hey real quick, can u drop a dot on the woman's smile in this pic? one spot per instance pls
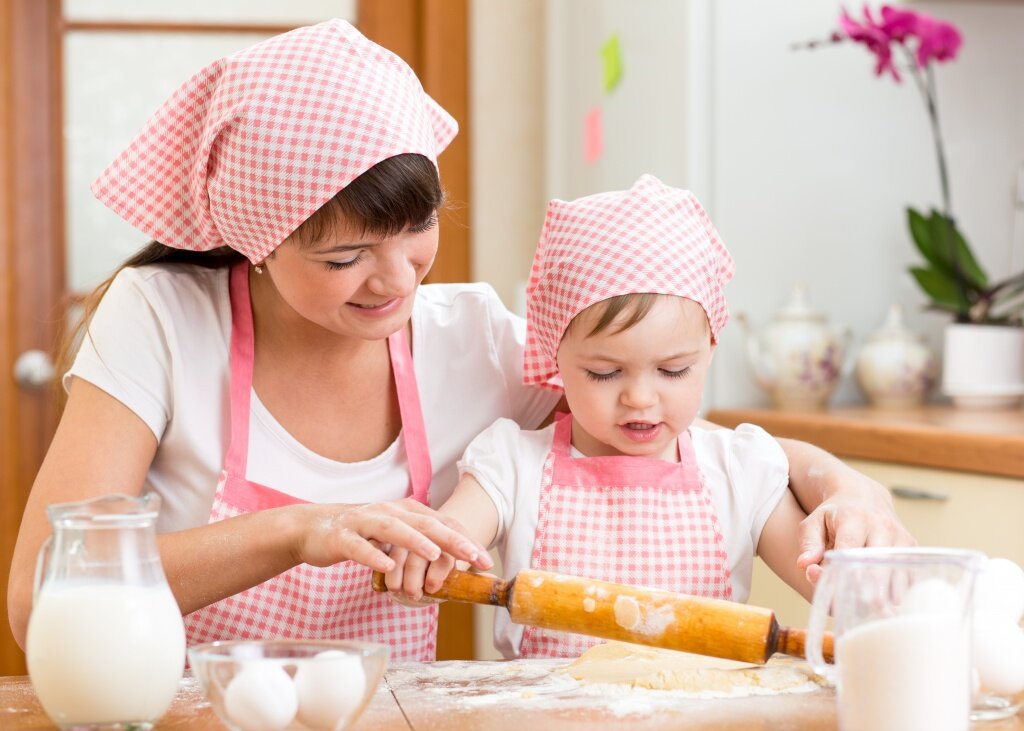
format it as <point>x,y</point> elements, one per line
<point>377,310</point>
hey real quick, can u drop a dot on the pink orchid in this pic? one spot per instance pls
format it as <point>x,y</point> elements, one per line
<point>897,23</point>
<point>874,37</point>
<point>937,40</point>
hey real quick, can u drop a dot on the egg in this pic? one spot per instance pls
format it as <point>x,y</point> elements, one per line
<point>330,688</point>
<point>998,654</point>
<point>999,589</point>
<point>261,697</point>
<point>931,596</point>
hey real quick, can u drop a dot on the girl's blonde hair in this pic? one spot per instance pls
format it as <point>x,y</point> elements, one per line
<point>632,307</point>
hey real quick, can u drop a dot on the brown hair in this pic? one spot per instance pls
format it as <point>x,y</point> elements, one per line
<point>635,306</point>
<point>394,194</point>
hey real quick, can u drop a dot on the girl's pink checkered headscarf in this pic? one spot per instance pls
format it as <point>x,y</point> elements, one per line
<point>253,144</point>
<point>648,239</point>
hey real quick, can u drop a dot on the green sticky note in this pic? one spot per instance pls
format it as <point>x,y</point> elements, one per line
<point>611,56</point>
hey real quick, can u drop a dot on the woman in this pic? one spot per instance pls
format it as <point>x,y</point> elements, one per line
<point>254,368</point>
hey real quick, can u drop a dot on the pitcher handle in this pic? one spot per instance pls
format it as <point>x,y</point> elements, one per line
<point>823,594</point>
<point>44,553</point>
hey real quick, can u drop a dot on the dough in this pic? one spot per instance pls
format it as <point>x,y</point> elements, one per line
<point>648,667</point>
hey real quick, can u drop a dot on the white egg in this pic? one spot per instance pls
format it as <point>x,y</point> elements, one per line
<point>999,589</point>
<point>931,596</point>
<point>331,687</point>
<point>998,653</point>
<point>261,697</point>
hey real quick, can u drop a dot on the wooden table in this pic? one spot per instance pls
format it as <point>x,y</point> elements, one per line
<point>497,696</point>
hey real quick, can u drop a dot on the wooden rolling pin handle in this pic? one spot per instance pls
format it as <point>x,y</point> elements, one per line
<point>465,586</point>
<point>792,641</point>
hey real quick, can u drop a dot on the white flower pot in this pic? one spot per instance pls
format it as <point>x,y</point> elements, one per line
<point>983,366</point>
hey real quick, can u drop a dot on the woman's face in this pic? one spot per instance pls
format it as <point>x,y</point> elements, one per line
<point>355,285</point>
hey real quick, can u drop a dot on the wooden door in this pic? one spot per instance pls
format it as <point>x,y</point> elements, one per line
<point>33,292</point>
<point>432,37</point>
<point>31,260</point>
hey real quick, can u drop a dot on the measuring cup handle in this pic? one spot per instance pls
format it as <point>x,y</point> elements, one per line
<point>823,594</point>
<point>41,560</point>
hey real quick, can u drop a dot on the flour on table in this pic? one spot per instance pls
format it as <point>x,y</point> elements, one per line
<point>622,664</point>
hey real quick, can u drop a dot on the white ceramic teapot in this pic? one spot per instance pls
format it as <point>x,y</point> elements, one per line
<point>798,358</point>
<point>895,368</point>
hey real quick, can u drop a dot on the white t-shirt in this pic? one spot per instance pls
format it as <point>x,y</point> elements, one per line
<point>159,344</point>
<point>745,470</point>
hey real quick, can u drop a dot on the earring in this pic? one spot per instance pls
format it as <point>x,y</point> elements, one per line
<point>258,268</point>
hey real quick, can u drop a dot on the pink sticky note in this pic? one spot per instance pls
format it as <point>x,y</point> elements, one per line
<point>593,135</point>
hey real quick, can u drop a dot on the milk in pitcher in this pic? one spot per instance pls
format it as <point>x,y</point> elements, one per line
<point>105,653</point>
<point>900,673</point>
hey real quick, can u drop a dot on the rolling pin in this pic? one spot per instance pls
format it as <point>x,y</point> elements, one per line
<point>630,613</point>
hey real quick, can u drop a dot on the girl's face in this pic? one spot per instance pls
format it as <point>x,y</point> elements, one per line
<point>633,392</point>
<point>355,285</point>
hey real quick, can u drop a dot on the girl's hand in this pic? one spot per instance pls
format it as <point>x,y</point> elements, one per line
<point>413,576</point>
<point>329,534</point>
<point>856,512</point>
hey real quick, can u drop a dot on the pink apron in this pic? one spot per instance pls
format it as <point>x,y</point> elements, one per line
<point>309,602</point>
<point>630,520</point>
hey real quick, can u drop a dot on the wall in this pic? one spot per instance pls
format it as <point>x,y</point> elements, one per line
<point>507,71</point>
<point>645,117</point>
<point>814,160</point>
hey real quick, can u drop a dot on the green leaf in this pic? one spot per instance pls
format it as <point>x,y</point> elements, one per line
<point>921,231</point>
<point>973,274</point>
<point>940,287</point>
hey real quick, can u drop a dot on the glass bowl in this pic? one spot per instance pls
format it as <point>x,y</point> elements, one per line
<point>299,685</point>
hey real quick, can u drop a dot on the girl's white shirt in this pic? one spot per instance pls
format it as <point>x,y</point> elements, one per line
<point>159,343</point>
<point>745,471</point>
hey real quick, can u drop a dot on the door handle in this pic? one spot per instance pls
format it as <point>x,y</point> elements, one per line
<point>915,493</point>
<point>33,370</point>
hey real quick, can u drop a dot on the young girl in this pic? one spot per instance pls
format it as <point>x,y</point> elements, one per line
<point>625,306</point>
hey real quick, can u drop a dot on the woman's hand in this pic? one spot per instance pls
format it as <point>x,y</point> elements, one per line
<point>854,511</point>
<point>414,573</point>
<point>329,534</point>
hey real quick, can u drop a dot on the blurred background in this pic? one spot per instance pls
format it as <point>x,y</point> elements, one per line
<point>804,159</point>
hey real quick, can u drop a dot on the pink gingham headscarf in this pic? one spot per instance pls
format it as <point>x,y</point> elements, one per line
<point>648,239</point>
<point>256,142</point>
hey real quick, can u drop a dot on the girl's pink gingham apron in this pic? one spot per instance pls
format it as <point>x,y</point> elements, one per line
<point>309,602</point>
<point>631,520</point>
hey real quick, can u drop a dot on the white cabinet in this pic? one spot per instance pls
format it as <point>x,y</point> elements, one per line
<point>940,508</point>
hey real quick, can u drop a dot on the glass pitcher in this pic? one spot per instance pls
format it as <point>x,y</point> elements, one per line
<point>902,626</point>
<point>106,642</point>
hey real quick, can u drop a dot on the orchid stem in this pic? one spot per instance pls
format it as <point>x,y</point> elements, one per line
<point>926,85</point>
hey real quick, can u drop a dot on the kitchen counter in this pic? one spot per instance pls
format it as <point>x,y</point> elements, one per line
<point>942,437</point>
<point>503,695</point>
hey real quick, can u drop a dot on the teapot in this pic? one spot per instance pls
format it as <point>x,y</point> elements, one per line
<point>895,368</point>
<point>798,358</point>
